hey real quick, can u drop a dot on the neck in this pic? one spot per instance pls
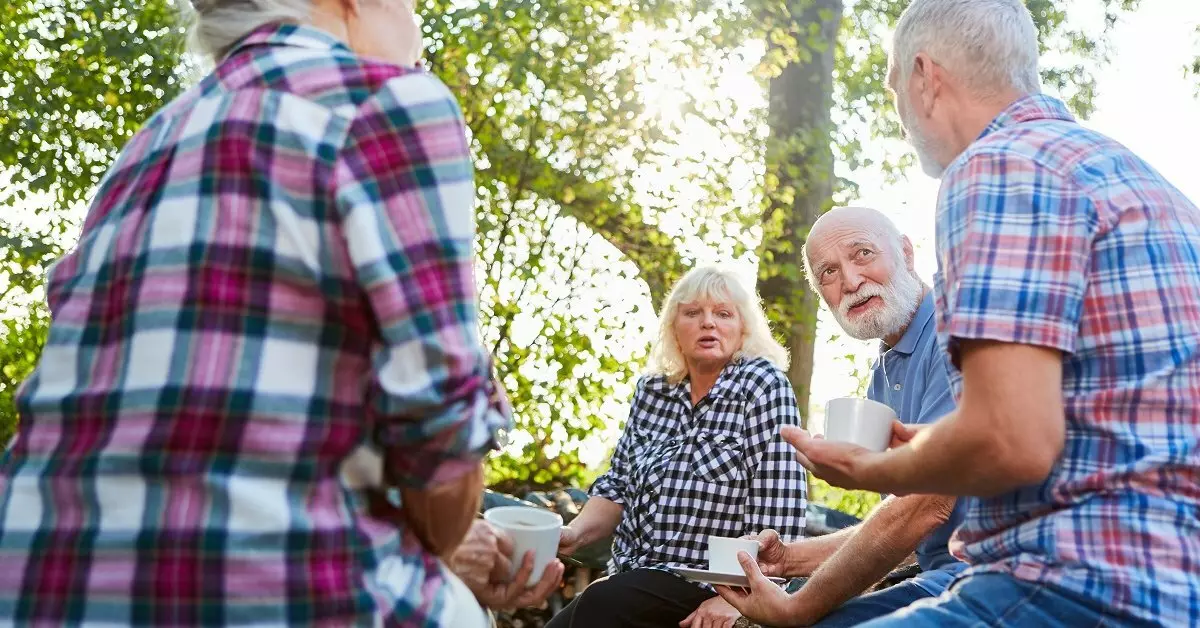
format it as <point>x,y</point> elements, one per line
<point>702,377</point>
<point>976,117</point>
<point>894,339</point>
<point>330,17</point>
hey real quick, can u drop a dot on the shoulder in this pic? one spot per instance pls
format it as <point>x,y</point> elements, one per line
<point>760,378</point>
<point>1054,148</point>
<point>408,97</point>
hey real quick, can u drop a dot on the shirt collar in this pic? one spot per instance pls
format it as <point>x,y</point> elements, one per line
<point>923,317</point>
<point>723,387</point>
<point>294,35</point>
<point>1028,109</point>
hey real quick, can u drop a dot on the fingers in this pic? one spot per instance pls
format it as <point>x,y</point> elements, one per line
<point>517,585</point>
<point>687,621</point>
<point>768,537</point>
<point>757,579</point>
<point>503,542</point>
<point>793,435</point>
<point>501,567</point>
<point>799,440</point>
<point>551,578</point>
<point>567,538</point>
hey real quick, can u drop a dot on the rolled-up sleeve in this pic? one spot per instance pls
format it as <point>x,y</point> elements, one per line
<point>403,186</point>
<point>614,483</point>
<point>778,484</point>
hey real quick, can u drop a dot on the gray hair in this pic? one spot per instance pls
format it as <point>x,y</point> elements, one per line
<point>991,45</point>
<point>219,24</point>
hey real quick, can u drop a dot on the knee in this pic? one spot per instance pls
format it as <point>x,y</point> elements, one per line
<point>600,596</point>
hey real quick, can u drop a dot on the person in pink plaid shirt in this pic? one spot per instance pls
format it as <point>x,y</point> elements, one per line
<point>267,332</point>
<point>1068,301</point>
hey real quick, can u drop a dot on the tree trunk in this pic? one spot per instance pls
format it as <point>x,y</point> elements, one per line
<point>799,185</point>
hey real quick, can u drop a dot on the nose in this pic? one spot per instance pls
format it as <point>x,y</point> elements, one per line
<point>852,280</point>
<point>708,322</point>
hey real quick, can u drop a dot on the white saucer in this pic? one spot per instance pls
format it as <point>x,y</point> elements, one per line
<point>716,577</point>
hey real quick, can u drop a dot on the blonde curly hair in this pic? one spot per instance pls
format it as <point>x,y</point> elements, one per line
<point>713,283</point>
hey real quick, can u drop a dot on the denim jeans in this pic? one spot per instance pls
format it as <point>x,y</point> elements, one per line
<point>1003,601</point>
<point>874,605</point>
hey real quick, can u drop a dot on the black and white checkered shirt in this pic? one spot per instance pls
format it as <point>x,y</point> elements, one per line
<point>720,468</point>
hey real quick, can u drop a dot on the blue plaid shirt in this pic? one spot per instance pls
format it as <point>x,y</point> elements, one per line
<point>1052,235</point>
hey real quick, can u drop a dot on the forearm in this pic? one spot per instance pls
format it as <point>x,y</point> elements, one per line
<point>874,548</point>
<point>440,515</point>
<point>806,555</point>
<point>597,520</point>
<point>953,458</point>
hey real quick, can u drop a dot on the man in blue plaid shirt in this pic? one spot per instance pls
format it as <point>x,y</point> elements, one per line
<point>1068,302</point>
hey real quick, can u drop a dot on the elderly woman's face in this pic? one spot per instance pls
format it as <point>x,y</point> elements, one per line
<point>708,332</point>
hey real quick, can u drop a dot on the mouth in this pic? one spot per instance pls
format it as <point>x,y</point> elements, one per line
<point>861,305</point>
<point>708,342</point>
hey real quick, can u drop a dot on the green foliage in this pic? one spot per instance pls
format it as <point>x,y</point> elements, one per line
<point>857,503</point>
<point>554,97</point>
<point>575,110</point>
<point>77,78</point>
<point>20,345</point>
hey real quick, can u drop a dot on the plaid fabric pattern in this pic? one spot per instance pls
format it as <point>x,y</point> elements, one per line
<point>1050,234</point>
<point>270,315</point>
<point>720,467</point>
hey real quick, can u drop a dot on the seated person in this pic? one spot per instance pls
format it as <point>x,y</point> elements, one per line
<point>700,455</point>
<point>862,267</point>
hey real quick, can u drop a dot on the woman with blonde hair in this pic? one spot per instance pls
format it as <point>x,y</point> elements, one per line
<point>700,455</point>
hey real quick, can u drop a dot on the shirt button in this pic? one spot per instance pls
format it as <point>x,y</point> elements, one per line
<point>896,387</point>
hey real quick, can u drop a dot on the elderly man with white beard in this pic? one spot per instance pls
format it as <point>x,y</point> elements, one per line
<point>862,267</point>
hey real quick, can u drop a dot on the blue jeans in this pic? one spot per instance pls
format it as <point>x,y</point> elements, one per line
<point>1001,600</point>
<point>873,605</point>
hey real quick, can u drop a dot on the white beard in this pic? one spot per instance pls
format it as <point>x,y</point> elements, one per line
<point>900,298</point>
<point>922,145</point>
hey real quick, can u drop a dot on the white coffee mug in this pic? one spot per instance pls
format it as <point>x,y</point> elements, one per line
<point>723,551</point>
<point>863,422</point>
<point>530,529</point>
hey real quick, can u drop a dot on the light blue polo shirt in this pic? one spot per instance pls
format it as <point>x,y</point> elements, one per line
<point>912,379</point>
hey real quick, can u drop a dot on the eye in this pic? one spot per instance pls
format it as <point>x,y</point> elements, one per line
<point>864,253</point>
<point>725,314</point>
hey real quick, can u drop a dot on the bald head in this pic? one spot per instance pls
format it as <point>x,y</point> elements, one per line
<point>863,268</point>
<point>847,222</point>
<point>862,218</point>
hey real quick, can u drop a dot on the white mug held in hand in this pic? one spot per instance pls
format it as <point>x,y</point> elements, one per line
<point>862,422</point>
<point>530,529</point>
<point>723,551</point>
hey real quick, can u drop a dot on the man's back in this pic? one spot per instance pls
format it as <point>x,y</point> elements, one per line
<point>1052,235</point>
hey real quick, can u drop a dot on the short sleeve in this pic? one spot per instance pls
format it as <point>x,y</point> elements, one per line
<point>1013,239</point>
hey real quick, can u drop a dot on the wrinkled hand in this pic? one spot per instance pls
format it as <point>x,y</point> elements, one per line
<point>481,561</point>
<point>568,541</point>
<point>505,594</point>
<point>772,553</point>
<point>841,464</point>
<point>482,556</point>
<point>765,603</point>
<point>713,613</point>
